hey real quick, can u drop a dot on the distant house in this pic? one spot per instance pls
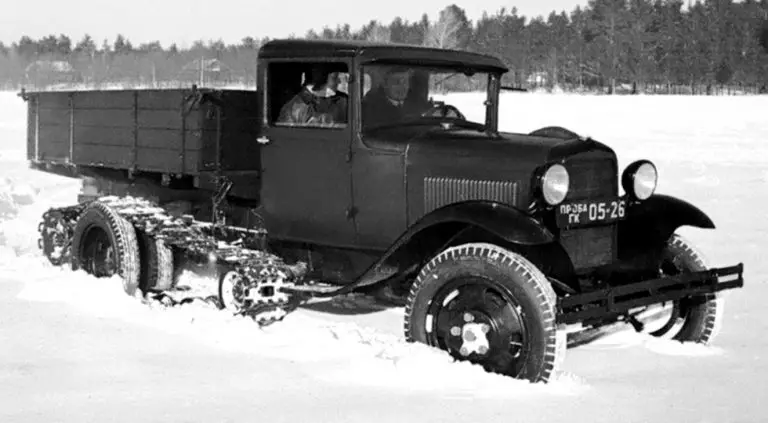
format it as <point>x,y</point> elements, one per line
<point>537,79</point>
<point>43,73</point>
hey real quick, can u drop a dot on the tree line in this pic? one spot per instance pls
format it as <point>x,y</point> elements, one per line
<point>609,46</point>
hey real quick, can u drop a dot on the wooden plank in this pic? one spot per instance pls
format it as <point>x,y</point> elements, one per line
<point>160,138</point>
<point>103,155</point>
<point>167,138</point>
<point>160,100</point>
<point>53,100</point>
<point>104,100</point>
<point>54,117</point>
<point>53,134</point>
<point>54,130</point>
<point>166,119</point>
<point>104,118</point>
<point>58,150</point>
<point>89,135</point>
<point>159,160</point>
<point>191,162</point>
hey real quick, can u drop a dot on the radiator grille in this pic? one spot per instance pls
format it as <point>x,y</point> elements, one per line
<point>439,192</point>
<point>592,178</point>
<point>589,247</point>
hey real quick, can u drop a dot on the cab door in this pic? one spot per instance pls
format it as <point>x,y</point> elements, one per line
<point>306,191</point>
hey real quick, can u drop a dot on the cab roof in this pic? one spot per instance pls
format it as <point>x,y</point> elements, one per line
<point>379,52</point>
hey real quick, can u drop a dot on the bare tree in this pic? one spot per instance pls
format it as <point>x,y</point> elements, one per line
<point>379,33</point>
<point>445,32</point>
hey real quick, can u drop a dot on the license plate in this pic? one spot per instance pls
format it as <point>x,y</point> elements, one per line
<point>590,212</point>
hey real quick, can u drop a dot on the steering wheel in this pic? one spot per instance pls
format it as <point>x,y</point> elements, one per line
<point>444,110</point>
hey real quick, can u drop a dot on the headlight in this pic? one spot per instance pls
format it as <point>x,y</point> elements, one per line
<point>639,179</point>
<point>554,184</point>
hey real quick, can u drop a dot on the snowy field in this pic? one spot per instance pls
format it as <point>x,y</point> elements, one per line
<point>75,349</point>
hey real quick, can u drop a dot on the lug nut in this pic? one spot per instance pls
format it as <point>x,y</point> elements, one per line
<point>482,349</point>
<point>485,327</point>
<point>468,317</point>
<point>464,351</point>
<point>455,331</point>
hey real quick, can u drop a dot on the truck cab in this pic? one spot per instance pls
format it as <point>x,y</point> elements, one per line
<point>404,150</point>
<point>346,183</point>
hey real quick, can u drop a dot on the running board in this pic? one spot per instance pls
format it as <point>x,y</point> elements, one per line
<point>609,302</point>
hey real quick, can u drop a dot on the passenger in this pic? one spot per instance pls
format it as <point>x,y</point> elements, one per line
<point>388,103</point>
<point>318,102</point>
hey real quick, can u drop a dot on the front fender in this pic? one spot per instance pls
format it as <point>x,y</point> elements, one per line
<point>433,230</point>
<point>503,221</point>
<point>650,223</point>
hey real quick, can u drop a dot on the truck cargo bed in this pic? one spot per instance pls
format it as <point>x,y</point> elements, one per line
<point>175,131</point>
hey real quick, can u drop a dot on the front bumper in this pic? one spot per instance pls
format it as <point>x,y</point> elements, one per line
<point>614,301</point>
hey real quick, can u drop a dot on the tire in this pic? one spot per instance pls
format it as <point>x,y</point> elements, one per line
<point>157,264</point>
<point>693,319</point>
<point>99,226</point>
<point>231,294</point>
<point>508,282</point>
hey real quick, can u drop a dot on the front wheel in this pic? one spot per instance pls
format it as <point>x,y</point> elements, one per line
<point>490,306</point>
<point>692,319</point>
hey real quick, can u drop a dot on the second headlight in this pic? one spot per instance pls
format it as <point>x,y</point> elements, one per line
<point>639,179</point>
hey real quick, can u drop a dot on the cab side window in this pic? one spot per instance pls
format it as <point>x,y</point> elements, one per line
<point>308,94</point>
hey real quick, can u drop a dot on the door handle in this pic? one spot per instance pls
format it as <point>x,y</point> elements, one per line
<point>263,140</point>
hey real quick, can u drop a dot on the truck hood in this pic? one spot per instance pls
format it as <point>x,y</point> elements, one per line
<point>469,151</point>
<point>444,166</point>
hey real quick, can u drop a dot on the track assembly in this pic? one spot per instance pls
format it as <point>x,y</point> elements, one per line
<point>260,278</point>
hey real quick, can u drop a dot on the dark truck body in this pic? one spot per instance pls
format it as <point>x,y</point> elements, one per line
<point>177,132</point>
<point>367,208</point>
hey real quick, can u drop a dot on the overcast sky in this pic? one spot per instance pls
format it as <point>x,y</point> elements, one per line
<point>184,21</point>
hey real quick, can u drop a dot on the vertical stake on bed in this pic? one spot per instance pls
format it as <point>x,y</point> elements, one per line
<point>71,158</point>
<point>37,128</point>
<point>135,149</point>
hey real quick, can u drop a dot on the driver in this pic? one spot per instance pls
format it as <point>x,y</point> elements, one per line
<point>388,103</point>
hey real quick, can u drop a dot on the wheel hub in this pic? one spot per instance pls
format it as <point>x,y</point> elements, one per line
<point>472,334</point>
<point>472,319</point>
<point>233,291</point>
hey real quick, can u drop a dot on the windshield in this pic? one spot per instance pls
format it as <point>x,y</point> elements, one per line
<point>395,95</point>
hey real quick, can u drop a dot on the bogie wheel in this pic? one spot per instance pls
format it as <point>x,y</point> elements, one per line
<point>157,264</point>
<point>232,291</point>
<point>489,306</point>
<point>692,319</point>
<point>104,244</point>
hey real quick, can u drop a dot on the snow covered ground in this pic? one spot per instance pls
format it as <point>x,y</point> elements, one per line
<point>76,349</point>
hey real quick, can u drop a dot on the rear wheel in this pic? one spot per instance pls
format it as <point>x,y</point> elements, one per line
<point>157,266</point>
<point>691,319</point>
<point>104,244</point>
<point>489,306</point>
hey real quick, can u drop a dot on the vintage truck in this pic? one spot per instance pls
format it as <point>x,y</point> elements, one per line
<point>497,244</point>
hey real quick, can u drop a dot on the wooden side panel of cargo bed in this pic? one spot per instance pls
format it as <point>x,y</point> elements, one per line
<point>168,137</point>
<point>103,128</point>
<point>51,127</point>
<point>132,129</point>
